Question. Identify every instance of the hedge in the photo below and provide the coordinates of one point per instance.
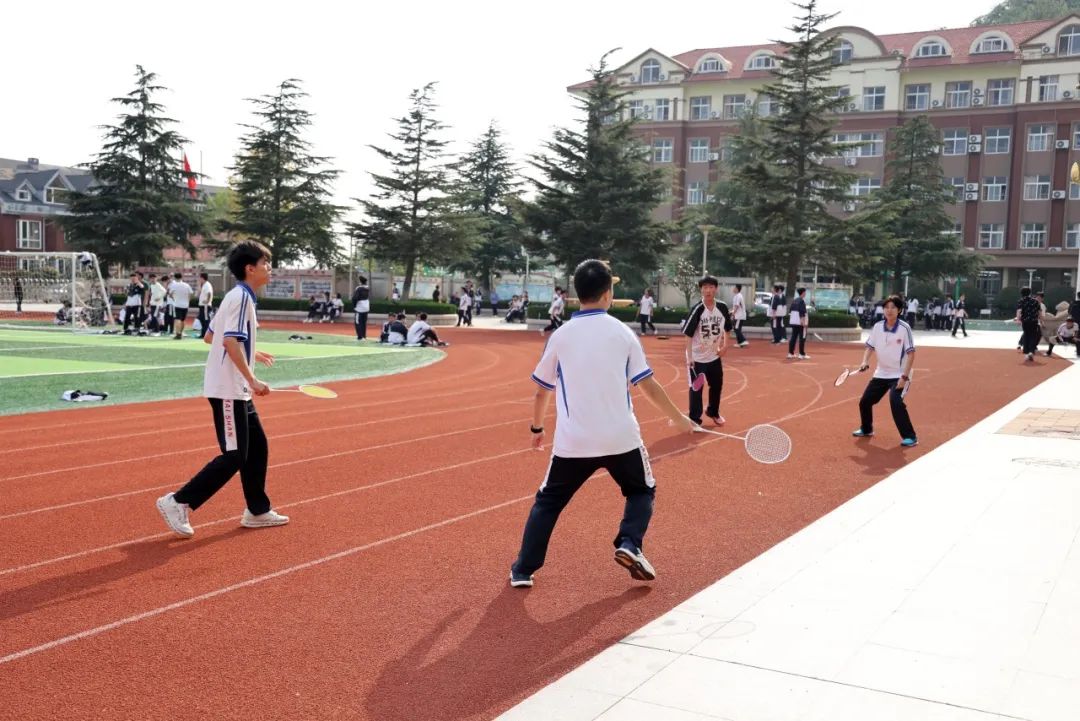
(818, 319)
(377, 305)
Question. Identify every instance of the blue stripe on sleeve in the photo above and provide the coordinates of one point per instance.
(542, 384)
(641, 376)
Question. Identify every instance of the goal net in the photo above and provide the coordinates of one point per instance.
(63, 291)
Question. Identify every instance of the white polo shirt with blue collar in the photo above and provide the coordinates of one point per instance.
(890, 345)
(235, 319)
(590, 363)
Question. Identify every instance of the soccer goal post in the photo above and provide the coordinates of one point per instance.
(63, 291)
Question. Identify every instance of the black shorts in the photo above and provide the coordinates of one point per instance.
(180, 313)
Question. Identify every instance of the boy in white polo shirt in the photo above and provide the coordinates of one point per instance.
(228, 384)
(590, 363)
(892, 341)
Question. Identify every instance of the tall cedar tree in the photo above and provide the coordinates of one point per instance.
(487, 189)
(921, 244)
(138, 205)
(788, 180)
(1019, 11)
(599, 191)
(282, 190)
(410, 218)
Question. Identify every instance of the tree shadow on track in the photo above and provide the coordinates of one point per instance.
(56, 591)
(506, 653)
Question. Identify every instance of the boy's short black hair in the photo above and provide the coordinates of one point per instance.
(362, 280)
(204, 276)
(177, 275)
(423, 316)
(401, 316)
(800, 291)
(738, 287)
(897, 301)
(708, 280)
(133, 275)
(1025, 292)
(243, 254)
(152, 276)
(592, 278)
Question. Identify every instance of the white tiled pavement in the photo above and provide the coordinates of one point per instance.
(949, 591)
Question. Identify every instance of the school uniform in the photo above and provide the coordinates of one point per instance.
(795, 321)
(180, 292)
(206, 305)
(1030, 311)
(891, 345)
(396, 333)
(958, 318)
(1068, 336)
(912, 311)
(778, 311)
(589, 363)
(421, 333)
(645, 311)
(707, 326)
(239, 432)
(157, 299)
(361, 299)
(738, 315)
(133, 306)
(555, 313)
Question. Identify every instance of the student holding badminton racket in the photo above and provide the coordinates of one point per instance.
(589, 364)
(893, 343)
(706, 342)
(228, 383)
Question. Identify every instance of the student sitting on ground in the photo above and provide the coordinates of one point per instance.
(1067, 335)
(516, 312)
(314, 310)
(337, 308)
(396, 330)
(63, 315)
(421, 333)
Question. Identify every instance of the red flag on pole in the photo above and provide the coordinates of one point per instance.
(190, 176)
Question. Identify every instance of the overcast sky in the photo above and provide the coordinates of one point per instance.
(493, 60)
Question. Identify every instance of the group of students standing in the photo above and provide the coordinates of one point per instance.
(162, 304)
(1038, 324)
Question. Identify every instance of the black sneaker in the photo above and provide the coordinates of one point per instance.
(520, 580)
(633, 560)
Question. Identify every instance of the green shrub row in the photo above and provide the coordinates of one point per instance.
(818, 319)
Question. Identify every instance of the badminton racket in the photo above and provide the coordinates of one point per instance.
(818, 337)
(907, 383)
(696, 381)
(308, 390)
(845, 373)
(764, 443)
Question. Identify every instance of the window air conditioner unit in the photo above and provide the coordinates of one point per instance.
(710, 198)
(713, 157)
(1067, 94)
(663, 77)
(1054, 249)
(1061, 144)
(849, 207)
(936, 103)
(971, 196)
(1046, 49)
(852, 108)
(977, 91)
(974, 147)
(1057, 195)
(851, 162)
(974, 138)
(976, 101)
(971, 187)
(714, 115)
(633, 78)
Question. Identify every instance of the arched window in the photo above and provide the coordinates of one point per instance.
(843, 52)
(931, 49)
(1069, 41)
(711, 65)
(992, 44)
(762, 62)
(650, 71)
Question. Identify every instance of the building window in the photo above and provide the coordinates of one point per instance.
(957, 231)
(699, 150)
(1069, 41)
(1000, 92)
(710, 65)
(954, 142)
(734, 105)
(1033, 235)
(766, 105)
(958, 94)
(662, 109)
(992, 235)
(860, 145)
(662, 150)
(873, 98)
(1072, 235)
(992, 44)
(842, 91)
(695, 193)
(1040, 137)
(1048, 88)
(997, 140)
(650, 71)
(28, 235)
(995, 188)
(957, 184)
(700, 107)
(1074, 191)
(762, 62)
(917, 97)
(931, 49)
(637, 109)
(55, 195)
(22, 195)
(864, 186)
(843, 52)
(1037, 187)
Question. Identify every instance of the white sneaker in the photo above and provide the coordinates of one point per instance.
(804, 357)
(175, 515)
(744, 344)
(791, 356)
(263, 520)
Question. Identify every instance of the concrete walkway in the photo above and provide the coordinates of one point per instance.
(950, 591)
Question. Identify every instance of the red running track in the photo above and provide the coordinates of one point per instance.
(386, 597)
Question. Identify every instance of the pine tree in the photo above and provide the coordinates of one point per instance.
(788, 181)
(487, 189)
(137, 206)
(598, 190)
(920, 244)
(1018, 11)
(410, 218)
(282, 189)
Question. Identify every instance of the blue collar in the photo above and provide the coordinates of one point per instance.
(594, 311)
(885, 325)
(248, 290)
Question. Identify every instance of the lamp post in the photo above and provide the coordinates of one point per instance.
(705, 247)
(525, 282)
(1031, 275)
